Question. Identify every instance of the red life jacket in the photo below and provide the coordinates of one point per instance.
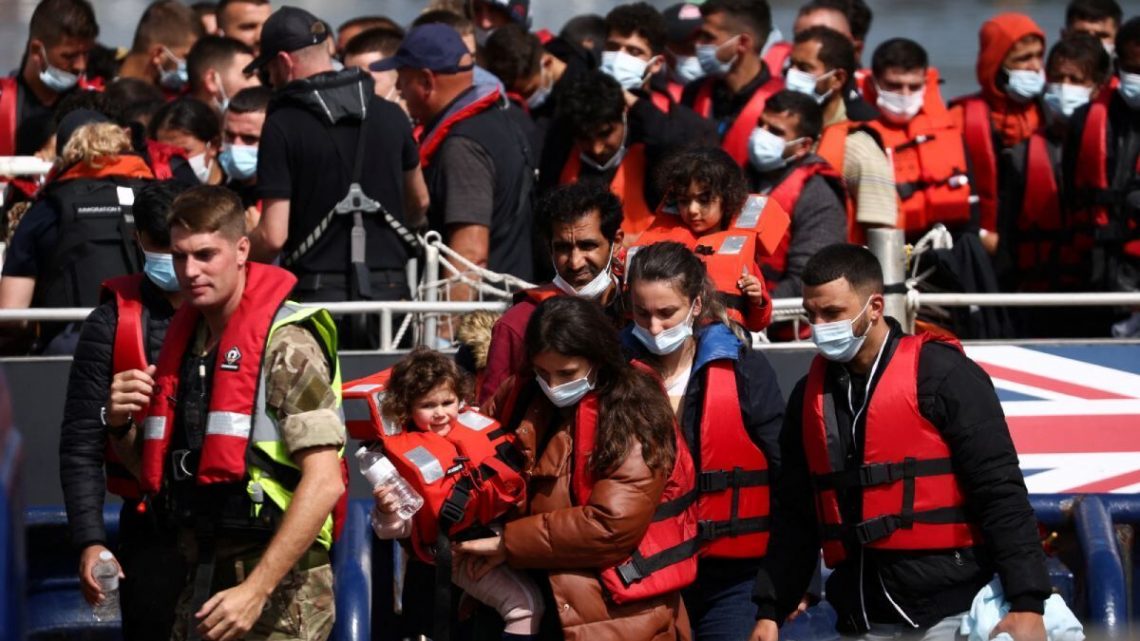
(1092, 181)
(777, 56)
(128, 352)
(161, 154)
(237, 376)
(676, 90)
(978, 130)
(431, 144)
(735, 140)
(666, 558)
(663, 101)
(470, 477)
(787, 194)
(734, 497)
(911, 498)
(833, 149)
(9, 114)
(727, 255)
(538, 294)
(930, 163)
(628, 184)
(1049, 248)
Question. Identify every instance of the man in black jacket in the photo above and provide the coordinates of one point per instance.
(148, 598)
(897, 569)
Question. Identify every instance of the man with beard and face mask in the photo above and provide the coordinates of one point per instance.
(317, 126)
(165, 34)
(1043, 248)
(241, 136)
(477, 163)
(782, 166)
(886, 443)
(926, 147)
(214, 66)
(1102, 163)
(581, 226)
(1011, 72)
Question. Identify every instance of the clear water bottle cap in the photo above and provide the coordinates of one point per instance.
(106, 555)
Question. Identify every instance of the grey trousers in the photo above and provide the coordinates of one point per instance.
(944, 630)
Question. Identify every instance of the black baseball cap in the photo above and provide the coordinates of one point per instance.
(435, 47)
(288, 29)
(682, 21)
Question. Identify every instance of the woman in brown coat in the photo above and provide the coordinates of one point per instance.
(574, 352)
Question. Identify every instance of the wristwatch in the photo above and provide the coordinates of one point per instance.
(116, 431)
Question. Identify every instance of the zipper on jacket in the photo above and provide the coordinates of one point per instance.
(892, 601)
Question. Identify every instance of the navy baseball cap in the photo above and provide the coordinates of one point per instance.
(287, 30)
(435, 47)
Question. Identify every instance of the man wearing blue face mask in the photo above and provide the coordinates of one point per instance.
(125, 332)
(581, 224)
(1042, 249)
(1103, 163)
(781, 166)
(738, 82)
(165, 34)
(241, 134)
(885, 443)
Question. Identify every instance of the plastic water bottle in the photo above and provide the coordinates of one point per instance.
(106, 573)
(380, 472)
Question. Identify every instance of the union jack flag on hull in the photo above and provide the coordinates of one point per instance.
(1073, 412)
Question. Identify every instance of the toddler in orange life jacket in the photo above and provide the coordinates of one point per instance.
(424, 395)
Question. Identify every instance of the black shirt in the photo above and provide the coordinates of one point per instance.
(957, 397)
(307, 160)
(35, 120)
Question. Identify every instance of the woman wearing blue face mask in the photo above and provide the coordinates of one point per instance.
(728, 402)
(609, 477)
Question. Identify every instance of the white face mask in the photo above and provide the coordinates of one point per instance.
(806, 83)
(55, 78)
(200, 166)
(631, 72)
(766, 150)
(669, 340)
(899, 108)
(837, 341)
(540, 95)
(1063, 99)
(1130, 89)
(615, 159)
(591, 290)
(686, 69)
(566, 394)
(1025, 84)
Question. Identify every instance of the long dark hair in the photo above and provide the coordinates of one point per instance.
(631, 404)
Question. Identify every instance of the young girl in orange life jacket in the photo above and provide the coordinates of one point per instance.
(710, 211)
(424, 394)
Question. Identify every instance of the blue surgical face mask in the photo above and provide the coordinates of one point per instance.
(686, 69)
(174, 79)
(55, 78)
(1130, 89)
(566, 394)
(837, 341)
(537, 99)
(239, 161)
(805, 83)
(630, 71)
(766, 150)
(1063, 99)
(666, 341)
(1025, 84)
(710, 64)
(159, 268)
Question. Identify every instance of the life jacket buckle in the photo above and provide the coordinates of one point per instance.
(709, 482)
(179, 467)
(877, 528)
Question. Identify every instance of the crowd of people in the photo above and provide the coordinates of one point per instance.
(610, 459)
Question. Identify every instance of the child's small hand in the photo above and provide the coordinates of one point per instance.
(752, 287)
(386, 501)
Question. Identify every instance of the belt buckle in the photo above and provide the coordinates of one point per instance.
(178, 466)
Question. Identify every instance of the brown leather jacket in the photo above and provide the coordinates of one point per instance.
(573, 542)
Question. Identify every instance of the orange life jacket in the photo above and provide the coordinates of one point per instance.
(666, 558)
(980, 144)
(1093, 185)
(128, 352)
(930, 164)
(628, 184)
(911, 498)
(470, 477)
(733, 503)
(727, 256)
(787, 194)
(735, 140)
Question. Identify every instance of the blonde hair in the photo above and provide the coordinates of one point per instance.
(96, 143)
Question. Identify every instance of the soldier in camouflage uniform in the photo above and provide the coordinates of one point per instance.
(277, 584)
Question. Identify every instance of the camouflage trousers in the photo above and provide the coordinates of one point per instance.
(302, 608)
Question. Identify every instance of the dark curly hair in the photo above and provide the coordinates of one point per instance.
(711, 167)
(638, 19)
(566, 204)
(418, 373)
(590, 102)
